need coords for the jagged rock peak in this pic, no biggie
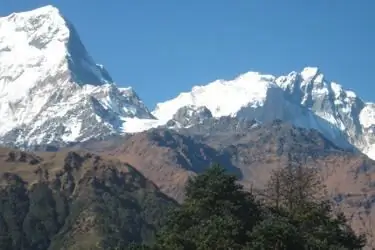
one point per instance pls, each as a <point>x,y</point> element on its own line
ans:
<point>189,115</point>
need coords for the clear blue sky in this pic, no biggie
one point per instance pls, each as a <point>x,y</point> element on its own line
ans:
<point>164,47</point>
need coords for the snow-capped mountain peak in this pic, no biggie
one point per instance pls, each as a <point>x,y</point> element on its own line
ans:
<point>222,98</point>
<point>44,40</point>
<point>51,90</point>
<point>309,73</point>
<point>305,98</point>
<point>46,9</point>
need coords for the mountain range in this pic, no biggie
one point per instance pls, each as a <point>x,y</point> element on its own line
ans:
<point>55,97</point>
<point>55,94</point>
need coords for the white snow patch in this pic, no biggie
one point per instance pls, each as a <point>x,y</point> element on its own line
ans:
<point>336,88</point>
<point>367,116</point>
<point>222,98</point>
<point>351,94</point>
<point>135,125</point>
<point>73,129</point>
<point>309,72</point>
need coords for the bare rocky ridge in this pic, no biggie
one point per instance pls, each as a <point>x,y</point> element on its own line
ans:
<point>169,158</point>
<point>75,200</point>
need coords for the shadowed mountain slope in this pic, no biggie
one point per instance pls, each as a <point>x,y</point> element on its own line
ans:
<point>75,200</point>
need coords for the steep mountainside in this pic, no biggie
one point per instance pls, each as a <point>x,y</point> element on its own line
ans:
<point>51,90</point>
<point>251,151</point>
<point>75,200</point>
<point>168,158</point>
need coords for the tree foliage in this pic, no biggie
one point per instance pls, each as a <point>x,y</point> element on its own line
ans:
<point>219,214</point>
<point>294,187</point>
<point>215,215</point>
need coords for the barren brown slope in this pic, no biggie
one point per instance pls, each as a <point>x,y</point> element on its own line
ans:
<point>349,176</point>
<point>169,158</point>
<point>75,200</point>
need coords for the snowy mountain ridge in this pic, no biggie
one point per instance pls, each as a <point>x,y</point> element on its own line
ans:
<point>306,99</point>
<point>52,92</point>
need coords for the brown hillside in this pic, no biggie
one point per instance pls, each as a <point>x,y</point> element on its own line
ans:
<point>168,158</point>
<point>75,200</point>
